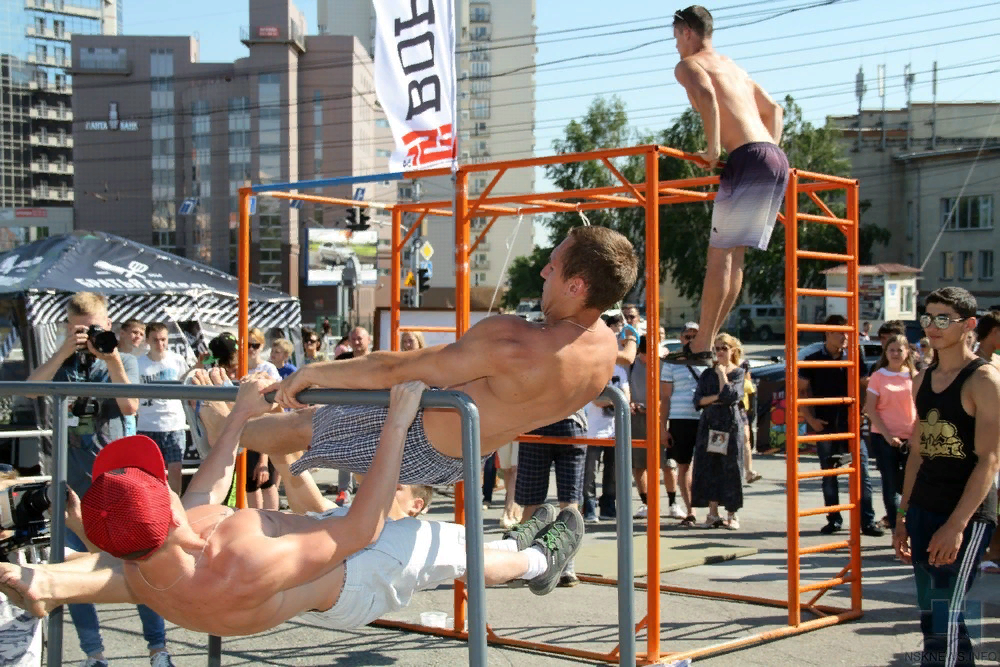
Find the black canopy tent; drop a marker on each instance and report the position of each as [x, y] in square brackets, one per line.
[36, 281]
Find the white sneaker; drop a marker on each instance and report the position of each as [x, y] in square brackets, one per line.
[675, 512]
[641, 512]
[160, 659]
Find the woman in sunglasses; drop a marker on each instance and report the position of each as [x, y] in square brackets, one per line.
[262, 479]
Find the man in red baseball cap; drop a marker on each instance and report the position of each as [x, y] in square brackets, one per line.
[211, 569]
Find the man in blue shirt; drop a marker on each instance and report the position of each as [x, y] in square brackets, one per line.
[94, 423]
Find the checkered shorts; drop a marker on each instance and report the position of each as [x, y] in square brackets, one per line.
[534, 465]
[345, 437]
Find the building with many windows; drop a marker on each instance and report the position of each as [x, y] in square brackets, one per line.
[497, 123]
[164, 142]
[929, 175]
[36, 119]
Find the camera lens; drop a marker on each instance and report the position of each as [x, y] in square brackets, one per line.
[103, 341]
[36, 501]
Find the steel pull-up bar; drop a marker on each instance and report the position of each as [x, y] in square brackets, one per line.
[466, 408]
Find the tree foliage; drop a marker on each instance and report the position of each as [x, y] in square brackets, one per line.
[684, 228]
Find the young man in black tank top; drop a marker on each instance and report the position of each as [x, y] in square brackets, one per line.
[949, 507]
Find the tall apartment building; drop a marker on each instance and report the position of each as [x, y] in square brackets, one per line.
[36, 142]
[158, 129]
[929, 175]
[497, 123]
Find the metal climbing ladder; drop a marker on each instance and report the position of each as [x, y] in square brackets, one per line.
[808, 184]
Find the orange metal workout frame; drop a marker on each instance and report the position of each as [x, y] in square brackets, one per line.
[651, 195]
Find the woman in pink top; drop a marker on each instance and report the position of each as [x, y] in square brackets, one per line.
[889, 405]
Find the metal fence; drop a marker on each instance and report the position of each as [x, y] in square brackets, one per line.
[472, 476]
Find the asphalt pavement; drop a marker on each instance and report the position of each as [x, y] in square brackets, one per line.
[585, 616]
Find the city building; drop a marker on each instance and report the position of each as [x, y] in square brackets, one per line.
[928, 174]
[36, 119]
[164, 141]
[496, 123]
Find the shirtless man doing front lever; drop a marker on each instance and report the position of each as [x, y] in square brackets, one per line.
[521, 375]
[741, 117]
[211, 569]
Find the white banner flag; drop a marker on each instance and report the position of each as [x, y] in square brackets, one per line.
[415, 79]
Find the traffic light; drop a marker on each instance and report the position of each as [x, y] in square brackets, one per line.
[357, 219]
[423, 280]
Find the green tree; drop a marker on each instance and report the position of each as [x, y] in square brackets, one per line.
[524, 277]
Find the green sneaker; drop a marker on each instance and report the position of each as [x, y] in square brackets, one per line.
[525, 532]
[559, 542]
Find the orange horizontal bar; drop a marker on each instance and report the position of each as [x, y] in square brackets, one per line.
[835, 294]
[325, 200]
[428, 329]
[827, 256]
[565, 158]
[493, 638]
[831, 546]
[821, 204]
[821, 328]
[542, 203]
[688, 182]
[685, 193]
[821, 437]
[825, 364]
[561, 440]
[829, 472]
[617, 200]
[809, 217]
[825, 178]
[809, 188]
[829, 583]
[770, 635]
[838, 400]
[669, 151]
[826, 510]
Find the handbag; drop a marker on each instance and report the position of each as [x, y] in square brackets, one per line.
[718, 442]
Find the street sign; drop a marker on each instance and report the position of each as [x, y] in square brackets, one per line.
[253, 206]
[426, 250]
[359, 194]
[187, 207]
[410, 280]
[295, 203]
[427, 266]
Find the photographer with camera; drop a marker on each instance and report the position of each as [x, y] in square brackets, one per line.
[90, 354]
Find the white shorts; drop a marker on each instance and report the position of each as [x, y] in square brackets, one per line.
[410, 555]
[508, 455]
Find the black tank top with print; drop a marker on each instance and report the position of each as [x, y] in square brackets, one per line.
[947, 446]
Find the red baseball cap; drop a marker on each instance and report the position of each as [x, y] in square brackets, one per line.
[127, 509]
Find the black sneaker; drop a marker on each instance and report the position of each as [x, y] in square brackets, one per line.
[568, 580]
[830, 528]
[873, 530]
[525, 532]
[559, 542]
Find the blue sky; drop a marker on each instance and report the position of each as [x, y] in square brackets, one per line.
[812, 53]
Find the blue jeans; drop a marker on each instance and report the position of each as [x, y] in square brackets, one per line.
[888, 459]
[829, 457]
[941, 589]
[88, 627]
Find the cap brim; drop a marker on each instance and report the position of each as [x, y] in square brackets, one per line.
[134, 451]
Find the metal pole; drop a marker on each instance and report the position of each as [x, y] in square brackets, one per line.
[57, 550]
[214, 651]
[415, 246]
[475, 577]
[626, 565]
[792, 393]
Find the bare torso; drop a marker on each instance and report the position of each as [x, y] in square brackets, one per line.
[213, 596]
[739, 116]
[565, 368]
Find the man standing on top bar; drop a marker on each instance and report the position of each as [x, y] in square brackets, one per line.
[741, 117]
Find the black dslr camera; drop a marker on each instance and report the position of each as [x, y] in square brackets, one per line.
[24, 510]
[103, 341]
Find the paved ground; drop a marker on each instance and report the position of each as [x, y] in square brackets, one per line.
[585, 616]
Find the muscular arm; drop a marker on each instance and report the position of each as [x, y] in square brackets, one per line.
[771, 113]
[984, 389]
[494, 343]
[308, 548]
[701, 92]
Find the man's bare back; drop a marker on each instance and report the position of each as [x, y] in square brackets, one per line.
[739, 98]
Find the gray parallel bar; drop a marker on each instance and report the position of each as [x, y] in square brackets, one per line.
[214, 651]
[475, 575]
[472, 468]
[57, 541]
[30, 433]
[623, 483]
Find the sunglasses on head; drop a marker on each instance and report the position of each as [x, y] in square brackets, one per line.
[254, 346]
[940, 321]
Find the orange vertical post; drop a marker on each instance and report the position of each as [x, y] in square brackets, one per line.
[243, 271]
[460, 215]
[394, 279]
[854, 391]
[652, 406]
[792, 393]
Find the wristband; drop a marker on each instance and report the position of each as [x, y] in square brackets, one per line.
[900, 511]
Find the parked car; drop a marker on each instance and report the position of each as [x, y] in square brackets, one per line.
[332, 253]
[758, 321]
[530, 310]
